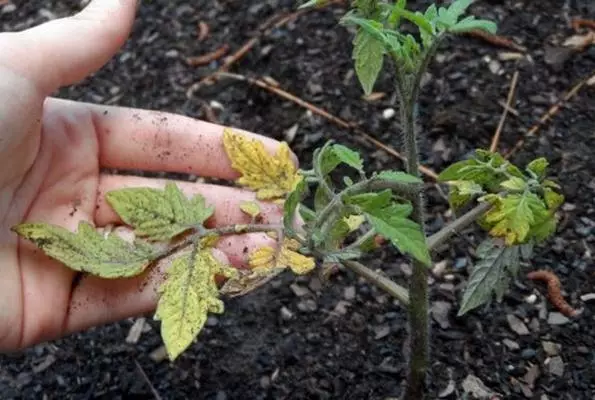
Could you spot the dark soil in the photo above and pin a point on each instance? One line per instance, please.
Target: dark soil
(273, 344)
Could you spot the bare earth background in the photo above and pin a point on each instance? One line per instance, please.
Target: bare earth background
(344, 339)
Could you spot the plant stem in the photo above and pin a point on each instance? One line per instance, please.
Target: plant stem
(361, 240)
(457, 225)
(390, 287)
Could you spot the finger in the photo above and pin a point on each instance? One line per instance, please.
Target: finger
(98, 301)
(226, 200)
(66, 50)
(158, 141)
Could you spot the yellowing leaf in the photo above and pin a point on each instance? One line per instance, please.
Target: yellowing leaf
(354, 221)
(88, 250)
(272, 177)
(250, 208)
(514, 215)
(159, 214)
(267, 258)
(188, 294)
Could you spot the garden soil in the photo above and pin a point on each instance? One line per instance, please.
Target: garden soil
(306, 338)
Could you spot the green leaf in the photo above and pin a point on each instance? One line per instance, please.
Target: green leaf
(368, 53)
(417, 18)
(88, 250)
(458, 8)
(325, 159)
(404, 234)
(544, 226)
(514, 215)
(496, 263)
(538, 167)
(514, 184)
(188, 294)
(398, 176)
(348, 156)
(307, 214)
(470, 23)
(290, 205)
(394, 18)
(159, 214)
(370, 201)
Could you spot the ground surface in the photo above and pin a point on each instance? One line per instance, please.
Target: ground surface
(344, 340)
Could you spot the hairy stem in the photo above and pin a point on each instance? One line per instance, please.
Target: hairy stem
(390, 287)
(457, 225)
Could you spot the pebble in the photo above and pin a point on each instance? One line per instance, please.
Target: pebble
(349, 293)
(550, 348)
(299, 290)
(528, 354)
(555, 366)
(440, 311)
(388, 113)
(531, 299)
(9, 8)
(286, 313)
(556, 318)
(341, 307)
(588, 297)
(307, 305)
(517, 325)
(511, 344)
(381, 331)
(460, 263)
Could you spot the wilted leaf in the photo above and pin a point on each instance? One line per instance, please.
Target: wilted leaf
(250, 208)
(368, 53)
(496, 264)
(188, 294)
(268, 258)
(88, 250)
(552, 199)
(157, 214)
(404, 234)
(514, 184)
(272, 177)
(461, 192)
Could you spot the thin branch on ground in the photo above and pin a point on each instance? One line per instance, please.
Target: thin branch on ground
(577, 23)
(390, 287)
(351, 126)
(496, 138)
(496, 40)
(204, 59)
(457, 225)
(548, 115)
(146, 378)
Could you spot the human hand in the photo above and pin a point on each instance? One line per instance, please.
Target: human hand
(52, 152)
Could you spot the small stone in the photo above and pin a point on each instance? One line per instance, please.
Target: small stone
(298, 290)
(531, 299)
(473, 385)
(221, 395)
(528, 354)
(448, 390)
(495, 66)
(349, 293)
(439, 268)
(556, 318)
(173, 53)
(550, 348)
(381, 331)
(212, 321)
(517, 325)
(511, 344)
(406, 269)
(341, 307)
(388, 113)
(555, 366)
(440, 311)
(509, 55)
(460, 262)
(307, 305)
(534, 325)
(9, 8)
(446, 287)
(568, 207)
(588, 297)
(286, 313)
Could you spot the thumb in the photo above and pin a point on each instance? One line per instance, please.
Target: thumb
(64, 51)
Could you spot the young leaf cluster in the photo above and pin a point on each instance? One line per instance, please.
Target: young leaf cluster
(378, 34)
(524, 203)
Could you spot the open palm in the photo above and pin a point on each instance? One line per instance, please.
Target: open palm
(52, 153)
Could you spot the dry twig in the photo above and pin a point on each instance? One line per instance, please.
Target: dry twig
(202, 31)
(207, 58)
(511, 91)
(577, 23)
(146, 378)
(351, 126)
(548, 115)
(496, 40)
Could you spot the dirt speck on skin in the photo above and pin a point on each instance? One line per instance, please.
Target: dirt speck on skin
(312, 356)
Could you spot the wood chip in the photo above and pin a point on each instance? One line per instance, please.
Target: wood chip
(135, 331)
(202, 31)
(159, 354)
(45, 364)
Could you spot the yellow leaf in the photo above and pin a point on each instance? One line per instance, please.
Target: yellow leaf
(250, 208)
(267, 258)
(354, 221)
(272, 177)
(188, 294)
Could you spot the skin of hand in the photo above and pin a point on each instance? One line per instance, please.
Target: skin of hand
(52, 153)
